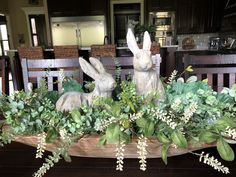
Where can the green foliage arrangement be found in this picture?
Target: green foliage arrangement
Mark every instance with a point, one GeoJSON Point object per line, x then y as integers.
{"type": "Point", "coordinates": [191, 113]}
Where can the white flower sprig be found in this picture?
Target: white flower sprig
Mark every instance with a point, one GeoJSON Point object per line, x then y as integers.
{"type": "Point", "coordinates": [188, 113]}
{"type": "Point", "coordinates": [63, 134]}
{"type": "Point", "coordinates": [120, 156]}
{"type": "Point", "coordinates": [231, 132]}
{"type": "Point", "coordinates": [105, 123]}
{"type": "Point", "coordinates": [167, 118]}
{"type": "Point", "coordinates": [172, 76]}
{"type": "Point", "coordinates": [176, 104]}
{"type": "Point", "coordinates": [41, 145]}
{"type": "Point", "coordinates": [142, 152]}
{"type": "Point", "coordinates": [213, 162]}
{"type": "Point", "coordinates": [135, 116]}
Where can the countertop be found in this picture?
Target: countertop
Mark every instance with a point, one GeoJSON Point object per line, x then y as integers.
{"type": "Point", "coordinates": [207, 51]}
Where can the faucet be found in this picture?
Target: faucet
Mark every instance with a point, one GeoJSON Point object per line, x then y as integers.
{"type": "Point", "coordinates": [106, 40]}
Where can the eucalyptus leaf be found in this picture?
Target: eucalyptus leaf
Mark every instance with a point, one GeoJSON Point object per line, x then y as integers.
{"type": "Point", "coordinates": [102, 140]}
{"type": "Point", "coordinates": [75, 113]}
{"type": "Point", "coordinates": [164, 152]}
{"type": "Point", "coordinates": [163, 138]}
{"type": "Point", "coordinates": [191, 79]}
{"type": "Point", "coordinates": [149, 128]}
{"type": "Point", "coordinates": [208, 137]}
{"type": "Point", "coordinates": [124, 137]}
{"type": "Point", "coordinates": [223, 123]}
{"type": "Point", "coordinates": [141, 122]}
{"type": "Point", "coordinates": [224, 149]}
{"type": "Point", "coordinates": [179, 139]}
{"type": "Point", "coordinates": [181, 80]}
{"type": "Point", "coordinates": [112, 133]}
{"type": "Point", "coordinates": [51, 135]}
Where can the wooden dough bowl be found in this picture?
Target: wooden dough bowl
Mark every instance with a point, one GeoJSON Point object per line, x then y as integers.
{"type": "Point", "coordinates": [88, 147]}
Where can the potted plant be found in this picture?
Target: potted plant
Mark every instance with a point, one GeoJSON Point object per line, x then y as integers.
{"type": "Point", "coordinates": [140, 29]}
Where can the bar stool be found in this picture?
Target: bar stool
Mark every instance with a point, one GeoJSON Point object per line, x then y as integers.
{"type": "Point", "coordinates": [30, 52]}
{"type": "Point", "coordinates": [66, 51]}
{"type": "Point", "coordinates": [108, 50]}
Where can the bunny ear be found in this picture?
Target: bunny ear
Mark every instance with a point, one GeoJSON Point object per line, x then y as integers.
{"type": "Point", "coordinates": [87, 68]}
{"type": "Point", "coordinates": [97, 65]}
{"type": "Point", "coordinates": [132, 44]}
{"type": "Point", "coordinates": [146, 41]}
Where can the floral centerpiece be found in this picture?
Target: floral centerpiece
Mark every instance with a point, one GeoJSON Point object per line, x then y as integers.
{"type": "Point", "coordinates": [182, 116]}
{"type": "Point", "coordinates": [191, 114]}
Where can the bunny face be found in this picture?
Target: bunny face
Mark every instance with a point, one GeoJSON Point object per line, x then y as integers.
{"type": "Point", "coordinates": [142, 57]}
{"type": "Point", "coordinates": [142, 60]}
{"type": "Point", "coordinates": [103, 80]}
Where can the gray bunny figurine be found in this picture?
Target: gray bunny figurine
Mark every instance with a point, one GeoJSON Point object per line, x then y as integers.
{"type": "Point", "coordinates": [104, 84]}
{"type": "Point", "coordinates": [145, 77]}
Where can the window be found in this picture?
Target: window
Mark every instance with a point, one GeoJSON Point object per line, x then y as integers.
{"type": "Point", "coordinates": [34, 31]}
{"type": "Point", "coordinates": [4, 41]}
{"type": "Point", "coordinates": [38, 30]}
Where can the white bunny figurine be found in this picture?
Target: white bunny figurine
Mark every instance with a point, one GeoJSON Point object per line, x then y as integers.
{"type": "Point", "coordinates": [145, 77]}
{"type": "Point", "coordinates": [104, 84]}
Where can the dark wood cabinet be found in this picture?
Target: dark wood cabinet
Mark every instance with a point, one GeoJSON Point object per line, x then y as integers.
{"type": "Point", "coordinates": [77, 8]}
{"type": "Point", "coordinates": [161, 5]}
{"type": "Point", "coordinates": [198, 16]}
{"type": "Point", "coordinates": [184, 17]}
{"type": "Point", "coordinates": [229, 17]}
{"type": "Point", "coordinates": [214, 13]}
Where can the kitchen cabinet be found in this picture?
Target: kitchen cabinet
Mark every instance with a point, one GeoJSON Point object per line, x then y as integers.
{"type": "Point", "coordinates": [229, 17]}
{"type": "Point", "coordinates": [190, 16]}
{"type": "Point", "coordinates": [198, 16]}
{"type": "Point", "coordinates": [77, 8]}
{"type": "Point", "coordinates": [213, 14]}
{"type": "Point", "coordinates": [155, 5]}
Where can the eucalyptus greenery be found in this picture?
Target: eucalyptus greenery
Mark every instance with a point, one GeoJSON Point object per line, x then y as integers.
{"type": "Point", "coordinates": [190, 113]}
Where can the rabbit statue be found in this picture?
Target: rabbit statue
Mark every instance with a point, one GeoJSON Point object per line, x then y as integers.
{"type": "Point", "coordinates": [104, 84]}
{"type": "Point", "coordinates": [145, 77]}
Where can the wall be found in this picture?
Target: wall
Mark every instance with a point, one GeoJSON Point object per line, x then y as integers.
{"type": "Point", "coordinates": [18, 20]}
{"type": "Point", "coordinates": [201, 40]}
{"type": "Point", "coordinates": [3, 7]}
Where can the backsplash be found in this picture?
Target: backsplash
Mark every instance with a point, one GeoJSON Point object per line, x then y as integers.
{"type": "Point", "coordinates": [201, 40]}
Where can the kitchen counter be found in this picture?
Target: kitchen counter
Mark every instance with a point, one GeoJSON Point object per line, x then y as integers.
{"type": "Point", "coordinates": [207, 51]}
{"type": "Point", "coordinates": [169, 46]}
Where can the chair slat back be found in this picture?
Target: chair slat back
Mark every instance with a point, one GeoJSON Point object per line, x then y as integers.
{"type": "Point", "coordinates": [50, 70]}
{"type": "Point", "coordinates": [126, 64]}
{"type": "Point", "coordinates": [220, 70]}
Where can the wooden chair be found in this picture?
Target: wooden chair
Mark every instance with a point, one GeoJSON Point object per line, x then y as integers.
{"type": "Point", "coordinates": [32, 53]}
{"type": "Point", "coordinates": [54, 65]}
{"type": "Point", "coordinates": [108, 50]}
{"type": "Point", "coordinates": [4, 74]}
{"type": "Point", "coordinates": [220, 70]}
{"type": "Point", "coordinates": [66, 51]}
{"type": "Point", "coordinates": [126, 64]}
